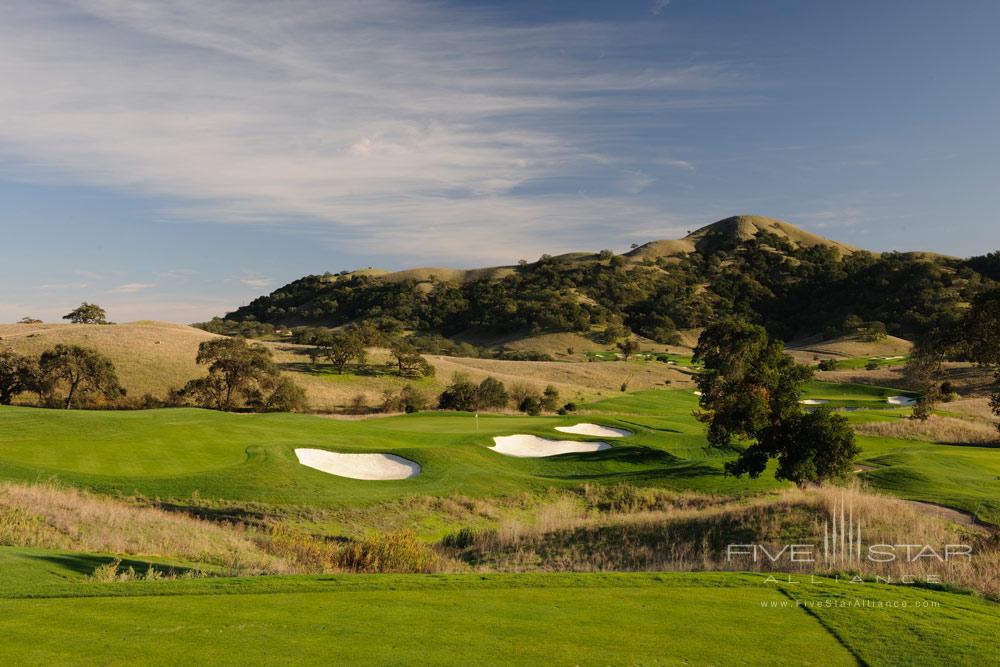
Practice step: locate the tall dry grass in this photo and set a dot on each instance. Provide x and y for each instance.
(683, 532)
(51, 517)
(948, 430)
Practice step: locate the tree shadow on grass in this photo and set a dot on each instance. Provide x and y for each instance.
(229, 514)
(631, 454)
(86, 564)
(327, 370)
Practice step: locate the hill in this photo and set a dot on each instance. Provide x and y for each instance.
(149, 357)
(734, 231)
(153, 357)
(747, 266)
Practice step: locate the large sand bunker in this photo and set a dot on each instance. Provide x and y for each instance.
(595, 430)
(814, 401)
(901, 400)
(531, 446)
(358, 466)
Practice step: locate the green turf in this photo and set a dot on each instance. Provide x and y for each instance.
(182, 453)
(176, 453)
(663, 619)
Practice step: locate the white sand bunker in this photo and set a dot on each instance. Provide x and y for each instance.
(697, 393)
(595, 430)
(901, 400)
(358, 466)
(814, 401)
(531, 446)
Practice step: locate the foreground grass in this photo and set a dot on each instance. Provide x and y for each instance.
(700, 619)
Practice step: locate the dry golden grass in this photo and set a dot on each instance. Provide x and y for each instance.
(853, 347)
(664, 531)
(977, 408)
(149, 357)
(948, 430)
(50, 517)
(153, 357)
(557, 345)
(574, 380)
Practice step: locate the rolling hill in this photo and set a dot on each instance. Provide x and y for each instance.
(746, 266)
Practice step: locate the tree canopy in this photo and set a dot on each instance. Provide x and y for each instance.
(77, 372)
(87, 313)
(750, 391)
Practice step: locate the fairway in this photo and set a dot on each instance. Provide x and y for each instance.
(561, 619)
(179, 452)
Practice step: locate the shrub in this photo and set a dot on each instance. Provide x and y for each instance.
(286, 397)
(358, 405)
(491, 393)
(531, 405)
(828, 365)
(461, 394)
(550, 398)
(412, 399)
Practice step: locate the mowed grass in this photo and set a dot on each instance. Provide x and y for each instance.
(183, 453)
(189, 453)
(562, 619)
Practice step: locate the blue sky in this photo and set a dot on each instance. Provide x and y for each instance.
(173, 160)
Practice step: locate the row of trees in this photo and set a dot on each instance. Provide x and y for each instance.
(491, 394)
(65, 375)
(350, 344)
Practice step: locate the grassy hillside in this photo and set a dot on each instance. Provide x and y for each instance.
(153, 357)
(493, 619)
(150, 357)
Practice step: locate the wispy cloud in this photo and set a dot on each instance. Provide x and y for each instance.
(656, 7)
(131, 288)
(257, 281)
(373, 120)
(62, 287)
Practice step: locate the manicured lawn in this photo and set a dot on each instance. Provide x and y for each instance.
(179, 452)
(671, 619)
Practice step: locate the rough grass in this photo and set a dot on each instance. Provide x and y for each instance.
(936, 428)
(630, 529)
(51, 517)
